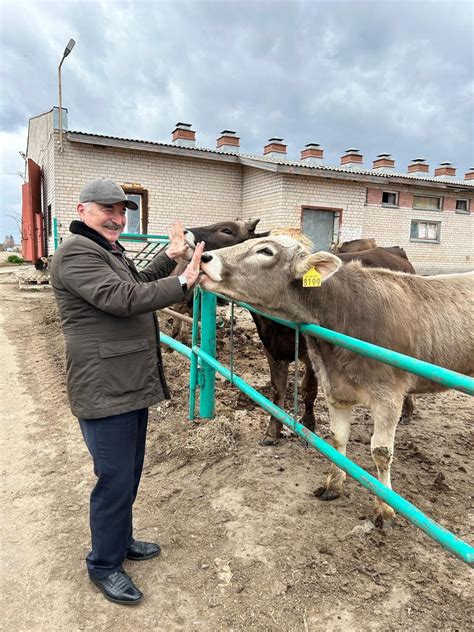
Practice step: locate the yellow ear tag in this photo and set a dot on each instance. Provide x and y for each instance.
(312, 278)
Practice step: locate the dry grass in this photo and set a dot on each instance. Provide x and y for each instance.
(216, 437)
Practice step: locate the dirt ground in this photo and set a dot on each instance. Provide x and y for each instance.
(246, 545)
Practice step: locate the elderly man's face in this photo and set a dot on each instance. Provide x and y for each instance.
(108, 220)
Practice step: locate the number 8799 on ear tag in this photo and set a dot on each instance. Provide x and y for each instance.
(312, 278)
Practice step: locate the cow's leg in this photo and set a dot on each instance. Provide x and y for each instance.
(279, 381)
(386, 416)
(408, 408)
(309, 390)
(340, 423)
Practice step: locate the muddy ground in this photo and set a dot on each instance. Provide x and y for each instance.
(246, 545)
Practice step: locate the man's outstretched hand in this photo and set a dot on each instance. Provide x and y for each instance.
(178, 246)
(192, 271)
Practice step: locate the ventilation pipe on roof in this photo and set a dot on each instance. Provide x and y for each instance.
(183, 135)
(445, 171)
(275, 148)
(418, 166)
(228, 141)
(312, 154)
(352, 158)
(384, 162)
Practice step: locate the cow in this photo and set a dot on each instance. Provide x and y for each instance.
(424, 317)
(379, 257)
(356, 245)
(279, 343)
(218, 235)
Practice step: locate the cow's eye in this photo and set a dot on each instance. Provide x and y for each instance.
(265, 251)
(226, 231)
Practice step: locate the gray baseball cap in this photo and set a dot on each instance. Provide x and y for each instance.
(104, 191)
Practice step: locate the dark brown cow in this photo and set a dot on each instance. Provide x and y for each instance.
(215, 236)
(279, 344)
(380, 258)
(356, 245)
(424, 317)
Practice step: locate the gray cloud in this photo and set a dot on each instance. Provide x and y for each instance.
(382, 76)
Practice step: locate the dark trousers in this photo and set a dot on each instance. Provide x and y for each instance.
(117, 446)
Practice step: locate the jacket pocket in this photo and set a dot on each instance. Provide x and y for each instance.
(124, 365)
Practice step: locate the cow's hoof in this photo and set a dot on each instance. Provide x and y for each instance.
(269, 441)
(384, 517)
(405, 419)
(325, 494)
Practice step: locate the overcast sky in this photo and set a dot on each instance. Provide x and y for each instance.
(382, 76)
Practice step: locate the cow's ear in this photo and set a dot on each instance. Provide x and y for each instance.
(324, 262)
(251, 224)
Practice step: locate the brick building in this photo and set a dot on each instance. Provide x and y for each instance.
(428, 215)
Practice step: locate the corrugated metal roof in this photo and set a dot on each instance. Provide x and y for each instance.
(290, 163)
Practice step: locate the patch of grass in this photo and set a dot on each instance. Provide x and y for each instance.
(15, 260)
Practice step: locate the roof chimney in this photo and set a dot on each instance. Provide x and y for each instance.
(470, 174)
(384, 162)
(352, 158)
(183, 135)
(228, 141)
(445, 170)
(312, 154)
(418, 166)
(275, 148)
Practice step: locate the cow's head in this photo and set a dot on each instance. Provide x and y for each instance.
(265, 272)
(222, 234)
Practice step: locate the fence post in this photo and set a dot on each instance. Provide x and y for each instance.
(55, 233)
(193, 375)
(208, 344)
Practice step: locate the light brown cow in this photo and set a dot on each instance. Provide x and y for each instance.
(424, 317)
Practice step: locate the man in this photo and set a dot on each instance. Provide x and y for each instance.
(114, 365)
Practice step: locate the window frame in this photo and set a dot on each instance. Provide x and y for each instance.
(133, 189)
(468, 206)
(422, 240)
(397, 198)
(428, 208)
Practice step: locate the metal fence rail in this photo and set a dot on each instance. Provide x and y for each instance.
(205, 377)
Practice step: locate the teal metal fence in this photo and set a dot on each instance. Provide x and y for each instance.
(202, 375)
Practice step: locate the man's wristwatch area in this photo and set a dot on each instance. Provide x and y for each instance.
(184, 282)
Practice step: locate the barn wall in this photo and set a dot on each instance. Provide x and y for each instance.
(454, 253)
(262, 197)
(194, 191)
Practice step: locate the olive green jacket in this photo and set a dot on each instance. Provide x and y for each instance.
(106, 308)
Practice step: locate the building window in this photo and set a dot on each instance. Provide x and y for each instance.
(137, 221)
(425, 231)
(133, 226)
(389, 198)
(462, 206)
(427, 203)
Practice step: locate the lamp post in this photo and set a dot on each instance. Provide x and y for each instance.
(67, 50)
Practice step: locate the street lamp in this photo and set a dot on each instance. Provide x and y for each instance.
(67, 50)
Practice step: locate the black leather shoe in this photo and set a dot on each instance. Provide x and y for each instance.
(119, 588)
(142, 551)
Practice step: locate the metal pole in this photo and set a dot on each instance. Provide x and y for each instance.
(208, 344)
(193, 374)
(55, 233)
(60, 108)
